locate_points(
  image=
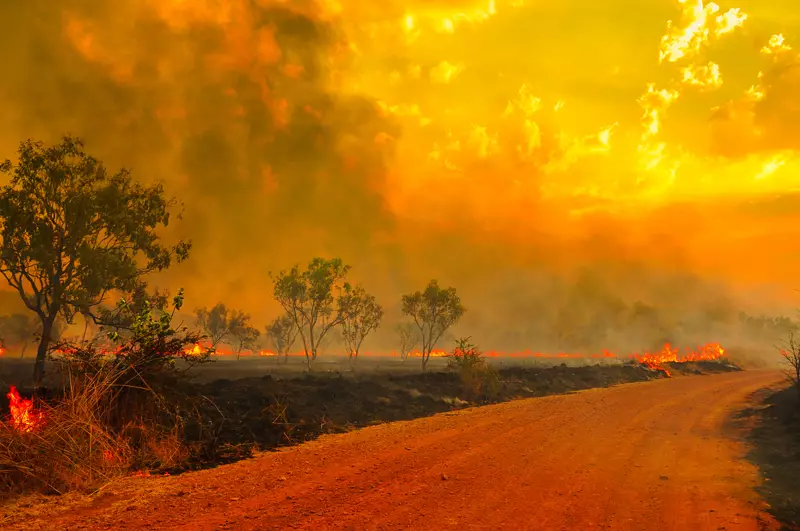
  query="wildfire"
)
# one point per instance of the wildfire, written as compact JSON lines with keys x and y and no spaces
{"x":668,"y":354}
{"x":24,"y":417}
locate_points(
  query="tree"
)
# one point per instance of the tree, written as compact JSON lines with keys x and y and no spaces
{"x":282,"y":332}
{"x":72,"y":233}
{"x":791,"y":353}
{"x":308,"y":298}
{"x":433,"y":310}
{"x":361,"y":314}
{"x":408,"y":338}
{"x":220,"y":322}
{"x":18,"y":329}
{"x":244,"y":336}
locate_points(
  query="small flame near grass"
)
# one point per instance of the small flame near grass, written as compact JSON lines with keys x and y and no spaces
{"x":24,"y":417}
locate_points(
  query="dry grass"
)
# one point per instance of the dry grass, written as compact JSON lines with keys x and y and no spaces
{"x":71,"y":449}
{"x":77,"y":446}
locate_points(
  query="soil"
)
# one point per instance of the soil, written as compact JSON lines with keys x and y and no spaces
{"x":775,"y":448}
{"x":646,"y":456}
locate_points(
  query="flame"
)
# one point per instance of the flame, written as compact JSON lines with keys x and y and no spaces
{"x":708,"y":352}
{"x":24,"y":417}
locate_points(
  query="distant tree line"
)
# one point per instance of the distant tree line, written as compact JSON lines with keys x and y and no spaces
{"x":77,"y":238}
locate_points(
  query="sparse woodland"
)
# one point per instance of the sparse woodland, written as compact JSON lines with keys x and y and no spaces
{"x":79,"y":246}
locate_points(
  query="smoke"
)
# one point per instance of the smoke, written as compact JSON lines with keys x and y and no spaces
{"x":296,"y":129}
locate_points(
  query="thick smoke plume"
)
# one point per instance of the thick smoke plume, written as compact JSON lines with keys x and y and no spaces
{"x":273,"y":124}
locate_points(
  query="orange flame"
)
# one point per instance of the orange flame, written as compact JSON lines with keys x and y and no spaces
{"x":24,"y":417}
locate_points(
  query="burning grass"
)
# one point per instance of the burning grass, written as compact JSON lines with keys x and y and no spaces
{"x":77,"y":441}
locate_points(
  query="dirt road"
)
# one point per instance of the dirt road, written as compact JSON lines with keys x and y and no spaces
{"x":651,"y":456}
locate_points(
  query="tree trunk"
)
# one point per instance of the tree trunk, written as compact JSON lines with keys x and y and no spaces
{"x":41,"y":352}
{"x":425,"y":358}
{"x":24,"y":348}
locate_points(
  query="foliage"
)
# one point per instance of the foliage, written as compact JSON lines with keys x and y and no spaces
{"x":361,"y":314}
{"x":433,"y":310}
{"x":282,"y":332}
{"x":143,"y":362}
{"x":120,"y":319}
{"x":221,"y":322}
{"x":72,"y":233}
{"x":408,"y":339}
{"x":308,"y":298}
{"x":478,"y":378}
{"x":245,"y":337}
{"x":120,"y":407}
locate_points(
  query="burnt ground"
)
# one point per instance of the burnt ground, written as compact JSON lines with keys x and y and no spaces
{"x":774,"y":437}
{"x":268,"y":412}
{"x":239,"y":416}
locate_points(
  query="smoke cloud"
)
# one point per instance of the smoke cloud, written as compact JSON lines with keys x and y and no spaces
{"x":557,"y":192}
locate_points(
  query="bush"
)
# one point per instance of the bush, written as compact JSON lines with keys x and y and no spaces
{"x":118,"y":409}
{"x":479,"y":379}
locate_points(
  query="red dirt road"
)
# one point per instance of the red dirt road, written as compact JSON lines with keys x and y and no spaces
{"x":651,"y":456}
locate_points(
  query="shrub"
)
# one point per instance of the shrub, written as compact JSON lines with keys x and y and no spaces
{"x":479,"y":379}
{"x":120,"y":407}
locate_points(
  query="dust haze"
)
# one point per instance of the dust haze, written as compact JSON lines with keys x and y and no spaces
{"x":386,"y":137}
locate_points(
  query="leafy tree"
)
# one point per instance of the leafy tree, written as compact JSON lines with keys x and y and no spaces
{"x":72,"y":233}
{"x":221,"y":322}
{"x":408,"y":338}
{"x":245,"y":337}
{"x":308,"y":298}
{"x":282,"y":332}
{"x":20,"y":330}
{"x":433,"y":310}
{"x":361,"y":314}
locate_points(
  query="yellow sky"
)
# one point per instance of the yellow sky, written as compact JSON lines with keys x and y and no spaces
{"x":561,"y":133}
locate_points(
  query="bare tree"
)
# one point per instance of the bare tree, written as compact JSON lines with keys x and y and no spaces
{"x":72,"y":233}
{"x":361,"y":314}
{"x":791,"y":353}
{"x":408,"y":338}
{"x":282,"y":332}
{"x":308,"y":298}
{"x":220,"y":322}
{"x":433,"y":310}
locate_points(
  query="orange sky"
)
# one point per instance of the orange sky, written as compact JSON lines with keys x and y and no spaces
{"x":435,"y":138}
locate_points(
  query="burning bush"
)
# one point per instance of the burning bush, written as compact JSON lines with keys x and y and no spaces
{"x":478,"y":378}
{"x":118,"y":410}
